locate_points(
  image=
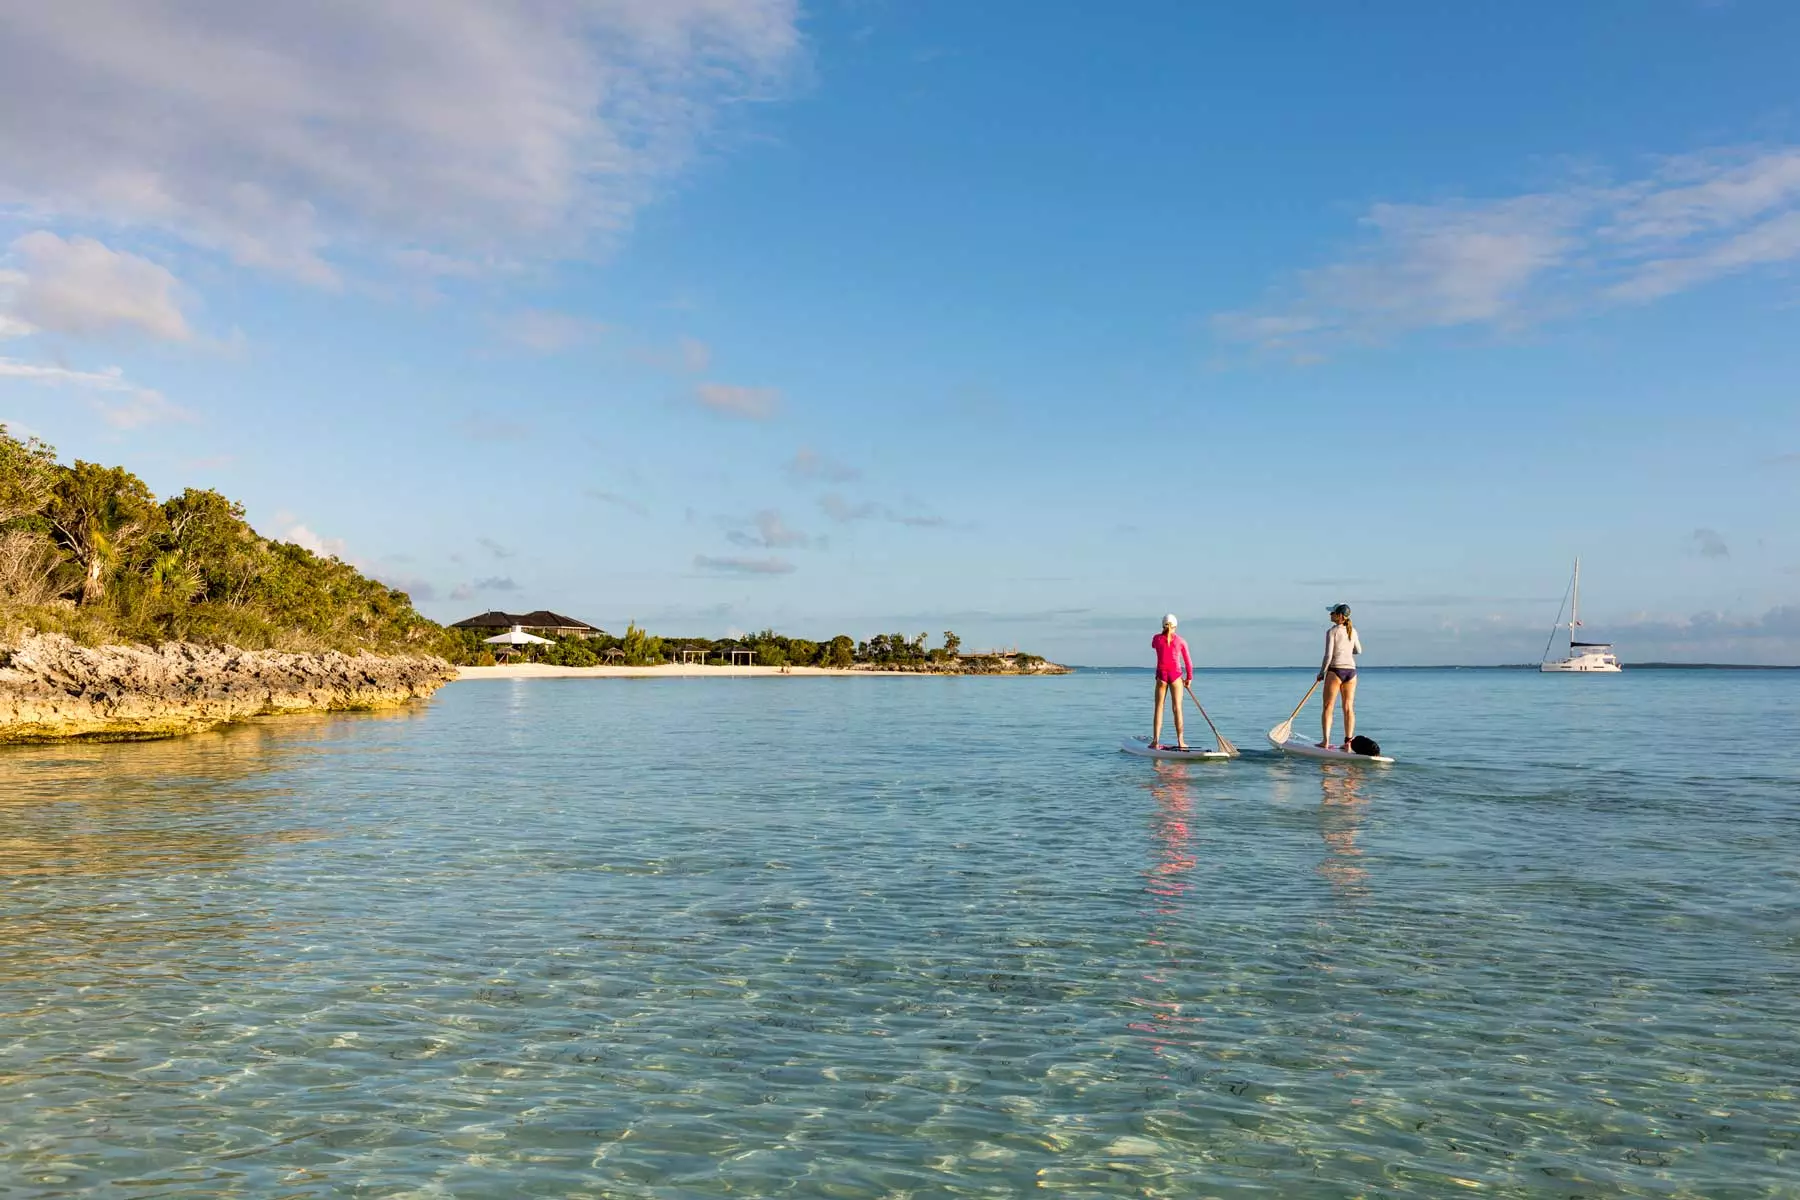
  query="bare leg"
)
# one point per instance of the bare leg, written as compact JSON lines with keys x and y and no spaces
{"x":1332,"y":683}
{"x":1156,"y":725}
{"x":1349,"y":711}
{"x":1180,"y":715}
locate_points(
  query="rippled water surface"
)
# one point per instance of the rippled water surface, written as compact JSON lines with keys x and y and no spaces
{"x":914,"y":937}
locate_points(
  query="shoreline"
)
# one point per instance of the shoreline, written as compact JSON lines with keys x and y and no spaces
{"x":696,"y":671}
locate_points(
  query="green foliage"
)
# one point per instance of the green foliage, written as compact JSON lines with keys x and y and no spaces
{"x":87,"y":550}
{"x":840,"y":653}
{"x":27,"y":473}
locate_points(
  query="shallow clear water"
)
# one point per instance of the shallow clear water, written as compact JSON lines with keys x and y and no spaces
{"x":914,"y":937}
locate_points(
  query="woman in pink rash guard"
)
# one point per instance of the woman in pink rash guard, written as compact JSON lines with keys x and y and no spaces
{"x":1173,"y":666}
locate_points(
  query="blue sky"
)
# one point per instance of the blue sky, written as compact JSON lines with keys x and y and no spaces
{"x":1029,"y":320}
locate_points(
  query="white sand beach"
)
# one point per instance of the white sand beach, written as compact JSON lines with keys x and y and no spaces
{"x":665,"y":671}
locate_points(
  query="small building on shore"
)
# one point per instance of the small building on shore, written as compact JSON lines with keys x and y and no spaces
{"x":543,"y":622}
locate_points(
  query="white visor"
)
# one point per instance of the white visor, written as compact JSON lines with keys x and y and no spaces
{"x":1170,"y":620}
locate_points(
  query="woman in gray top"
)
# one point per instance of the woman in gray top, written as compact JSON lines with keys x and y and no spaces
{"x":1339,"y":673}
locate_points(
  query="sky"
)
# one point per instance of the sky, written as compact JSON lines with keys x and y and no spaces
{"x":1031,"y":320}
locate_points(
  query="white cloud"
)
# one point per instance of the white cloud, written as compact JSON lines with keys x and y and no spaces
{"x":750,"y":403}
{"x":287,"y":136}
{"x":1511,"y":262}
{"x":324,"y":547}
{"x":131,"y":407}
{"x":78,"y":286}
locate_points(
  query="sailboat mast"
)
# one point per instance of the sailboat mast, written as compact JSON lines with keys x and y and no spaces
{"x":1574,"y":606}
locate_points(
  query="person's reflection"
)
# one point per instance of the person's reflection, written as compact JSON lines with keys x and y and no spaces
{"x":1172,"y":836}
{"x":1340,"y":820}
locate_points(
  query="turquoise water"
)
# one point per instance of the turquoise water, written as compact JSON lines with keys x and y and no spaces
{"x":914,"y":937}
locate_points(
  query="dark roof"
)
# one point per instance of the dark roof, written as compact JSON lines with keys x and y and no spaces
{"x":541,"y":619}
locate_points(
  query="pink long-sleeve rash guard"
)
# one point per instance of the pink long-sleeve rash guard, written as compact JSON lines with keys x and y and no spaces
{"x":1172,"y":660}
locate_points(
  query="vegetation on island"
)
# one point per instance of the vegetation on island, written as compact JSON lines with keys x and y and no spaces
{"x":883,"y":652}
{"x":88,"y":551}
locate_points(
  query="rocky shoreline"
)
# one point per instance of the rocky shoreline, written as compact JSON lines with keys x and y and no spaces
{"x":52,"y":689}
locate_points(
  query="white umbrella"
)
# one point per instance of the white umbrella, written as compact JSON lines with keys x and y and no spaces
{"x":517,"y":636}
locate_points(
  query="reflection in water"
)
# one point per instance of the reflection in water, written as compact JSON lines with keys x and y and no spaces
{"x":1166,"y":880}
{"x":111,"y":851}
{"x":1172,"y":832}
{"x":1341,"y":811}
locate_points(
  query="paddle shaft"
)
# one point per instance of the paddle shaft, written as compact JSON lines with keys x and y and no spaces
{"x":1287,"y":726}
{"x":1223,"y":744}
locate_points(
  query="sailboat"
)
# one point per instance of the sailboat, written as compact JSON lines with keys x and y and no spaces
{"x":1583,"y":656}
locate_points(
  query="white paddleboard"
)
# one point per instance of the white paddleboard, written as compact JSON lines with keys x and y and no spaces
{"x":1140,"y":746}
{"x":1305,"y":749}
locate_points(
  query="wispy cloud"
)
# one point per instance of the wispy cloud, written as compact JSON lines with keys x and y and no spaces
{"x":808,"y":464}
{"x":1515,"y":261}
{"x":769,"y":531}
{"x":1709,"y":543}
{"x":743,"y":566}
{"x":81,"y":288}
{"x":750,"y":403}
{"x":494,"y":548}
{"x":844,"y":512}
{"x":616,"y":500}
{"x":495,"y":583}
{"x":688,"y":356}
{"x":121,"y":403}
{"x":290,"y":136}
{"x":549,"y":332}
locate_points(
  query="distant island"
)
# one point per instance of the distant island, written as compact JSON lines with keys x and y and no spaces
{"x":124,"y":616}
{"x":575,"y":643}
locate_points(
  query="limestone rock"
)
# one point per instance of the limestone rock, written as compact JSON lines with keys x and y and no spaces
{"x":52,"y":689}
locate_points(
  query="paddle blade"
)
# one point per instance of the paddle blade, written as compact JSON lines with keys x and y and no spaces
{"x":1280,"y":733}
{"x":1226,"y":746}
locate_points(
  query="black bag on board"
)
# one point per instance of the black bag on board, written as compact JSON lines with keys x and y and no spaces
{"x":1363,"y":745}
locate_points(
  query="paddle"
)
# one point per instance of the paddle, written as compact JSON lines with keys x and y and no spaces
{"x":1224,"y":745}
{"x":1279,"y":734}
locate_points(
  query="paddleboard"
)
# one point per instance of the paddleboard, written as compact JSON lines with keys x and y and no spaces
{"x":1306,"y":749}
{"x":1140,"y":746}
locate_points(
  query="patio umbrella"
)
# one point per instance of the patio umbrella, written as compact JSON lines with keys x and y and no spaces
{"x":516,"y":637}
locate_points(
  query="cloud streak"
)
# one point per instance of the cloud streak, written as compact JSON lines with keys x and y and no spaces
{"x":616,"y":500}
{"x":132,"y":406}
{"x":743,"y":566}
{"x":730,"y":400}
{"x":844,"y":512}
{"x":1509,"y":263}
{"x":810,"y":465}
{"x":769,"y":531}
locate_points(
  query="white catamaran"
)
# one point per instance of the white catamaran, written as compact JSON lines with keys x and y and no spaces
{"x":1583,"y":656}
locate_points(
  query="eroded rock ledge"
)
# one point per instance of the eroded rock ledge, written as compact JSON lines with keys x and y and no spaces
{"x":52,"y":689}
